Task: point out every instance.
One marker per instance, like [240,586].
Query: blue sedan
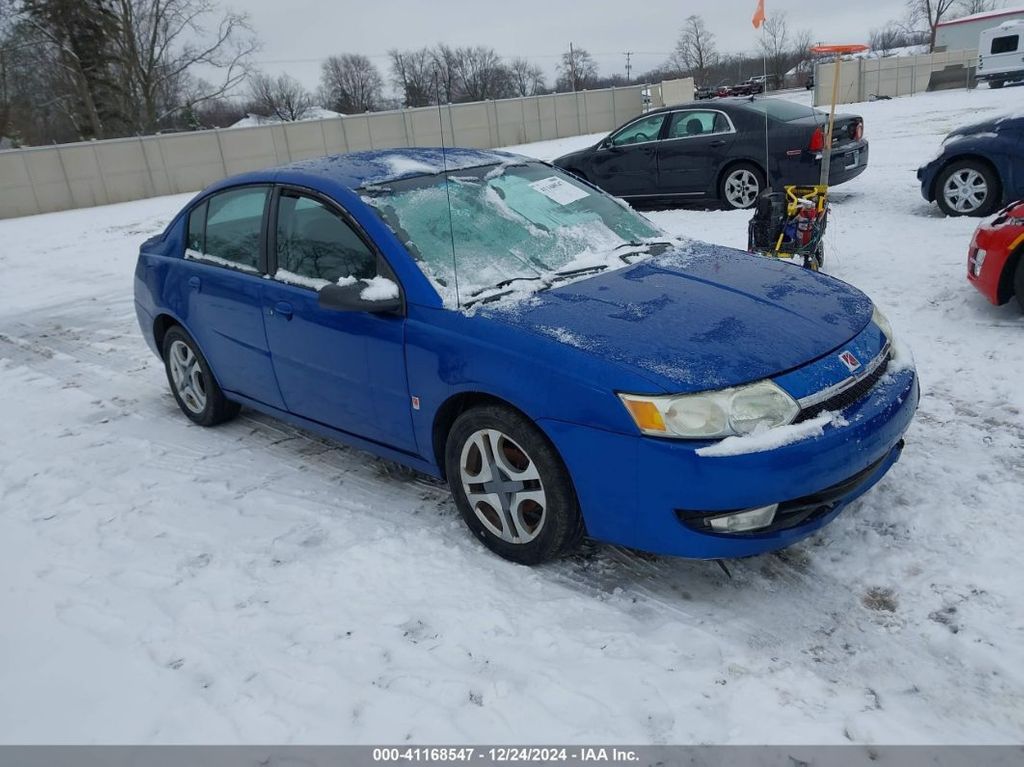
[979,169]
[566,366]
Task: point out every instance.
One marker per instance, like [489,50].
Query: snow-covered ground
[160,582]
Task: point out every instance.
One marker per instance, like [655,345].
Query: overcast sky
[298,34]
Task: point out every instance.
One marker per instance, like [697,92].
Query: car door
[695,148]
[626,163]
[345,369]
[221,283]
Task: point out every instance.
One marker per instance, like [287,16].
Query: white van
[1001,54]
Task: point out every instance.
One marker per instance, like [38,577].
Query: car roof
[380,166]
[728,103]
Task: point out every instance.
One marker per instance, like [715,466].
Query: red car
[994,262]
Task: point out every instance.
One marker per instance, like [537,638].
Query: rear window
[785,111]
[1007,44]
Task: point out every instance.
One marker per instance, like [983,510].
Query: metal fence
[894,76]
[44,179]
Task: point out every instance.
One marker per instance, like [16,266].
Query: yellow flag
[759,15]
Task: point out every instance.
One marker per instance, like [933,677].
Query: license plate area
[853,159]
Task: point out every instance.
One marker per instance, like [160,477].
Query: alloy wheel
[187,376]
[966,190]
[742,188]
[503,486]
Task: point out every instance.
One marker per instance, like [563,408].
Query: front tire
[511,486]
[192,382]
[967,188]
[740,186]
[995,84]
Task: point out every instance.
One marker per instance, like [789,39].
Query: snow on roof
[253,121]
[982,16]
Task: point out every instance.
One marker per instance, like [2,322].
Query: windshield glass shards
[510,226]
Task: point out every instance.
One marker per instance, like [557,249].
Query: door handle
[718,143]
[282,309]
[195,282]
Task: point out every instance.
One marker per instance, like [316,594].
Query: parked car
[979,168]
[703,92]
[999,54]
[723,91]
[994,262]
[562,362]
[717,152]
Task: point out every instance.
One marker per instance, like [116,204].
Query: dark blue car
[564,364]
[979,169]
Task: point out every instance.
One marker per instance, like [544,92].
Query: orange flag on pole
[759,15]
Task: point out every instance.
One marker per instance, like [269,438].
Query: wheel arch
[733,163]
[966,157]
[161,324]
[1007,287]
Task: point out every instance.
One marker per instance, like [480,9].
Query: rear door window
[1006,44]
[227,228]
[695,122]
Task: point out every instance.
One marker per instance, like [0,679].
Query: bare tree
[695,50]
[577,69]
[351,83]
[928,13]
[76,34]
[884,39]
[970,7]
[481,75]
[776,45]
[162,43]
[281,97]
[527,78]
[412,74]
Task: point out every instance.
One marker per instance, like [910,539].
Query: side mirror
[350,298]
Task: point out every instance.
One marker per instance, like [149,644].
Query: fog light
[978,261]
[744,521]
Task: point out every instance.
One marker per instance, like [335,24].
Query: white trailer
[1001,54]
[962,34]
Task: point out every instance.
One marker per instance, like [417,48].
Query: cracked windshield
[514,227]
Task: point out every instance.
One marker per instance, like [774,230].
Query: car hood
[698,318]
[567,159]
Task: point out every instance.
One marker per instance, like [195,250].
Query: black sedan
[717,152]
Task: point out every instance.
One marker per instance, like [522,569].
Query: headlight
[712,415]
[883,323]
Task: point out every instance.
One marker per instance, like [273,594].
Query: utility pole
[572,67]
[629,67]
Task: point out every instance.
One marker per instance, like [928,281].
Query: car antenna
[447,185]
[764,97]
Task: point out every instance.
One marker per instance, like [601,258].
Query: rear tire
[968,188]
[995,84]
[192,382]
[511,487]
[740,186]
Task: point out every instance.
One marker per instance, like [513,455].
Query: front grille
[842,400]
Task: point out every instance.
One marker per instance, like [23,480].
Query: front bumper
[999,239]
[637,491]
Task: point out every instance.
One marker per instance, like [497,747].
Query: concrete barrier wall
[44,179]
[894,76]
